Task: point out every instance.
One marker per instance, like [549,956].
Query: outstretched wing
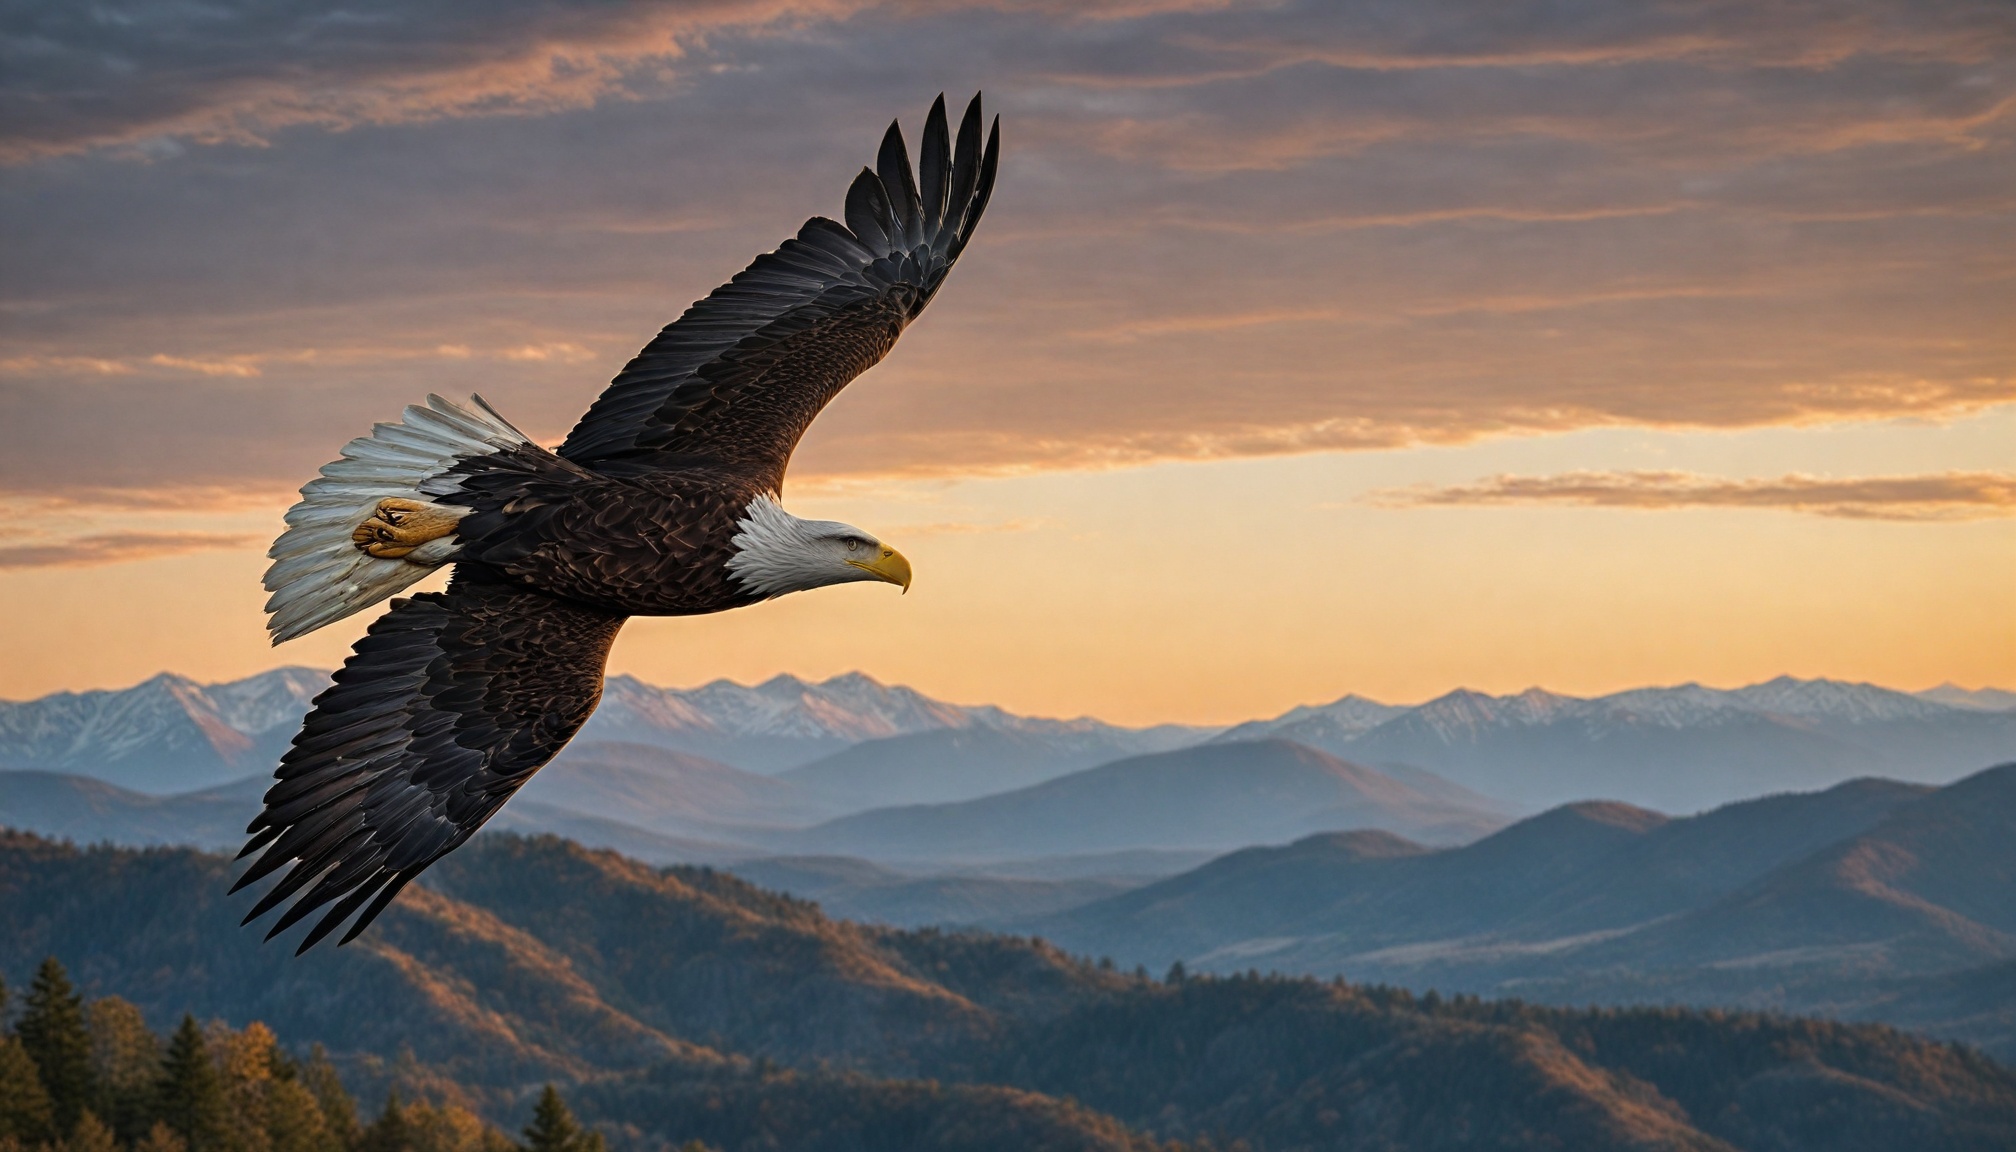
[739,377]
[448,704]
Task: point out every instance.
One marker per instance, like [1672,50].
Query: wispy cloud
[115,548]
[165,76]
[245,365]
[30,506]
[239,72]
[1938,496]
[1221,230]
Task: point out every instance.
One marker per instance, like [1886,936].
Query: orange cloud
[1693,215]
[1940,496]
[115,548]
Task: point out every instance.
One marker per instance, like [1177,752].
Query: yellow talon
[398,526]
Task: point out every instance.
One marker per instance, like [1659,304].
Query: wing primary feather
[988,164]
[892,163]
[316,897]
[296,879]
[965,170]
[378,904]
[342,911]
[261,836]
[867,211]
[268,864]
[934,165]
[818,311]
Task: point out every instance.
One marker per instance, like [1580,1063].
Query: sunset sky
[1305,349]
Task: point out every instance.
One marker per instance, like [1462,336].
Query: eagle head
[776,552]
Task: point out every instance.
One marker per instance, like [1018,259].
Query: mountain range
[683,1003]
[166,734]
[169,734]
[1680,749]
[1141,817]
[1214,797]
[786,722]
[851,743]
[1873,899]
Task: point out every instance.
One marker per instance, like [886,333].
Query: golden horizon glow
[1217,592]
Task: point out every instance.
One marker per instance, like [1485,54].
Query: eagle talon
[398,526]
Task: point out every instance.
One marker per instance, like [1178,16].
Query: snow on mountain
[276,699]
[1684,706]
[786,722]
[1976,699]
[171,734]
[1837,700]
[852,707]
[1679,748]
[1314,723]
[1675,747]
[1460,715]
[165,734]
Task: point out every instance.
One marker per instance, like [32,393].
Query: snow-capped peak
[1835,700]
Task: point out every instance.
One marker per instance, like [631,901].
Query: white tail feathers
[319,573]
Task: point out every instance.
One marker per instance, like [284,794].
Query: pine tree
[388,1133]
[553,1128]
[191,1093]
[24,1106]
[53,1032]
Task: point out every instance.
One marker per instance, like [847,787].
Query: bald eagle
[663,501]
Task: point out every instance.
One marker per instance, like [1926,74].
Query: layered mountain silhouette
[170,734]
[1675,749]
[88,811]
[854,889]
[683,1003]
[854,744]
[1216,796]
[951,764]
[1816,902]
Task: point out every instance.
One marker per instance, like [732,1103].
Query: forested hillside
[91,1076]
[675,1004]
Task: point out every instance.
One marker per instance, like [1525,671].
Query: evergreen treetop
[554,1129]
[24,1106]
[52,1031]
[192,1095]
[390,1132]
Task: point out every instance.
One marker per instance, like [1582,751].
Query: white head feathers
[777,553]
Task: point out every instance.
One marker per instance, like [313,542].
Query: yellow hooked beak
[888,565]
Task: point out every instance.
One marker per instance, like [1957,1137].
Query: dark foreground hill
[681,1003]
